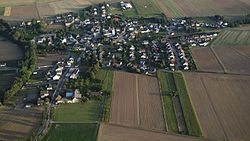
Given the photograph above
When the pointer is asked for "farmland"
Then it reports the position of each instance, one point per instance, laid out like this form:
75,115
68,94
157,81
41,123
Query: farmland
49,59
7,78
18,124
196,8
233,37
118,133
222,104
146,8
136,102
223,59
9,51
75,132
80,112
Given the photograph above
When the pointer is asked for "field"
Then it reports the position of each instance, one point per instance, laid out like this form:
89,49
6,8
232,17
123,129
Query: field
26,12
146,8
9,51
49,59
109,132
136,102
106,77
72,132
197,8
18,124
206,60
222,104
2,9
80,112
7,78
227,59
233,37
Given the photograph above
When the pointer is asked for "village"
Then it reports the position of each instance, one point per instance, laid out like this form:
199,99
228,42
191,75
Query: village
114,42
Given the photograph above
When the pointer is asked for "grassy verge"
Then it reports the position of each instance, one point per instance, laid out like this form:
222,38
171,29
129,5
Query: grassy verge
72,132
106,77
167,85
79,112
189,114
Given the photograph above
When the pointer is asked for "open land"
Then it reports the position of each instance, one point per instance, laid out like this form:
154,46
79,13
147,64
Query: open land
9,51
18,124
230,59
5,82
136,102
197,8
222,104
72,132
233,37
49,59
79,112
109,132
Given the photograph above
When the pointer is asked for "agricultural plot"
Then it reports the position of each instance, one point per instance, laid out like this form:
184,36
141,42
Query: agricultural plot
72,132
109,132
197,8
206,60
7,78
80,112
226,59
25,12
2,9
221,103
9,51
19,124
45,10
49,59
23,2
136,102
233,37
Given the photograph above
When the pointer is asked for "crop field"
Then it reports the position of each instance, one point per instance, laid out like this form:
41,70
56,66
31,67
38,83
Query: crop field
146,8
79,112
226,59
136,102
18,124
233,37
9,51
206,60
25,12
7,78
109,132
2,9
197,8
222,104
72,132
65,6
22,2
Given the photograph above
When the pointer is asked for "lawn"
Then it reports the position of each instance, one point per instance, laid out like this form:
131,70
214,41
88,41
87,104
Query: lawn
72,132
189,114
233,37
106,77
167,85
79,112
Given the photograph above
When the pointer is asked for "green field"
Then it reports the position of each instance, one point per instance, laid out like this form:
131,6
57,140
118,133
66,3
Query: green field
2,11
174,10
125,13
106,77
72,132
22,2
167,85
170,82
189,114
146,8
79,112
232,38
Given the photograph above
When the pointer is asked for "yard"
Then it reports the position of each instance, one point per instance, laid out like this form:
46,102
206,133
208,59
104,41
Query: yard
72,132
80,112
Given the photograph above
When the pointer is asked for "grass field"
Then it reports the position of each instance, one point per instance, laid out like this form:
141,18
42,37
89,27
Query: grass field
106,77
233,37
189,114
2,11
72,132
22,2
166,82
146,8
80,112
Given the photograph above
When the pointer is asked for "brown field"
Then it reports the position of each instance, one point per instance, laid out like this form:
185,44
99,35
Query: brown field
49,59
25,12
7,11
9,51
222,104
206,60
181,8
234,60
45,10
136,102
109,132
18,124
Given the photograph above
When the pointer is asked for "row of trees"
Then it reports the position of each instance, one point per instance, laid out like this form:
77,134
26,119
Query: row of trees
27,65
